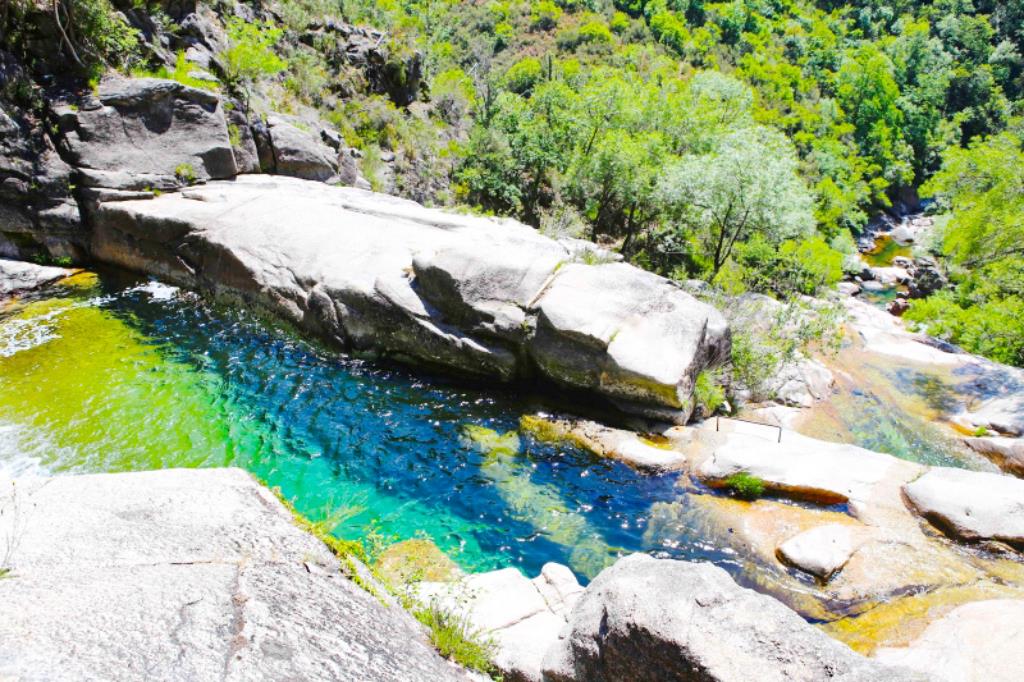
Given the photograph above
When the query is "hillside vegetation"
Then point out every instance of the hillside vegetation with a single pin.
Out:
(745, 142)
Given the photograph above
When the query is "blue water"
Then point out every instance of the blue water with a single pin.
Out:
(365, 441)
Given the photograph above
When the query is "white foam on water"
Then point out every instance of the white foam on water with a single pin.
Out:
(158, 291)
(19, 446)
(20, 334)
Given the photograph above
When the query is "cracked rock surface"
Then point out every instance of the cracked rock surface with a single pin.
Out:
(186, 575)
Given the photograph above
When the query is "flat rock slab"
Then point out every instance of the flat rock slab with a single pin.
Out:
(799, 466)
(186, 574)
(978, 642)
(490, 298)
(970, 505)
(17, 276)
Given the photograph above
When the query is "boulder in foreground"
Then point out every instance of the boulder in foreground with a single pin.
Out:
(187, 574)
(649, 619)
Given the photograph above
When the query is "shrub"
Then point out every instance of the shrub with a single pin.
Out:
(745, 486)
(708, 394)
(522, 76)
(185, 173)
(454, 94)
(619, 22)
(595, 31)
(250, 56)
(545, 15)
(181, 73)
(784, 270)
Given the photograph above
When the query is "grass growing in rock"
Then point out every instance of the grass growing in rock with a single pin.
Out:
(745, 486)
(455, 638)
(451, 634)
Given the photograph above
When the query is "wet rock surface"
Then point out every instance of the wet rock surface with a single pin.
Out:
(977, 642)
(196, 574)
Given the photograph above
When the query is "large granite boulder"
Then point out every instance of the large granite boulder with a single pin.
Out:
(187, 574)
(299, 153)
(485, 297)
(970, 505)
(147, 132)
(626, 333)
(660, 620)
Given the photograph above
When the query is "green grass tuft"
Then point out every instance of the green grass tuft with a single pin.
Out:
(745, 485)
(456, 639)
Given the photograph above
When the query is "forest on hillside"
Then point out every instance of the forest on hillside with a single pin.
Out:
(747, 143)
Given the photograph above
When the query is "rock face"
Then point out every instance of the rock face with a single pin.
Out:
(187, 574)
(38, 215)
(147, 132)
(299, 154)
(971, 505)
(650, 619)
(978, 642)
(485, 297)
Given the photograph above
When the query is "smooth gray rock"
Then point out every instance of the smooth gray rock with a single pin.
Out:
(149, 126)
(458, 292)
(627, 334)
(661, 620)
(298, 153)
(971, 505)
(187, 574)
(16, 276)
(820, 551)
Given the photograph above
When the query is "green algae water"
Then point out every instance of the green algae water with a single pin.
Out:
(111, 373)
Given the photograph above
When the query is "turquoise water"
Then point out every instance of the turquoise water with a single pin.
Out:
(106, 375)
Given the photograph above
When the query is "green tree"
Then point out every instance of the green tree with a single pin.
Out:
(250, 55)
(748, 185)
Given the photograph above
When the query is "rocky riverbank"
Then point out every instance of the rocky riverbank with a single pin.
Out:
(186, 574)
(203, 574)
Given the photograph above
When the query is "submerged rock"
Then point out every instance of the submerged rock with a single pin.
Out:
(605, 441)
(970, 505)
(373, 272)
(188, 574)
(650, 619)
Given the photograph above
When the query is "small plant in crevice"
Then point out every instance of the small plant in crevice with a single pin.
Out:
(745, 486)
(455, 638)
(708, 393)
(185, 173)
